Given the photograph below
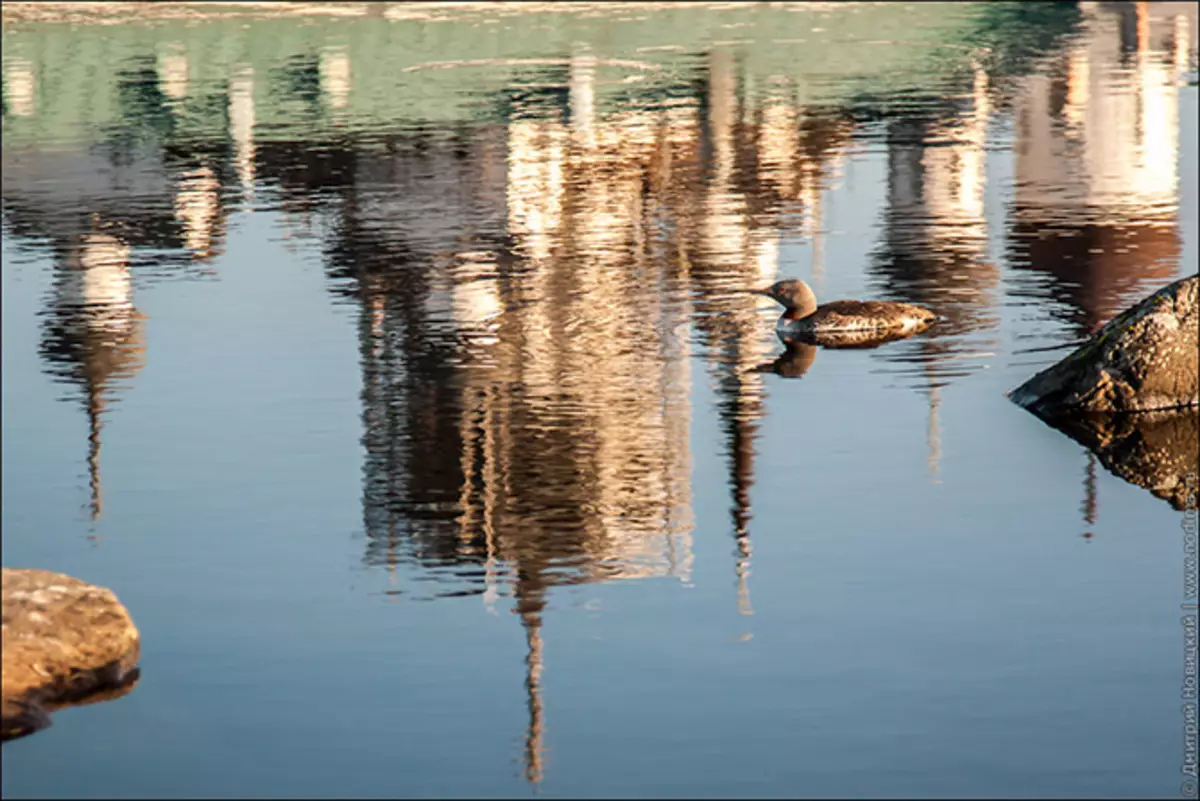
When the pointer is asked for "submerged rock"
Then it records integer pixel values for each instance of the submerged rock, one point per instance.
(1154, 450)
(1144, 359)
(65, 642)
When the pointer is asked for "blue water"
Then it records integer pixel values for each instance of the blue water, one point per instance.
(560, 536)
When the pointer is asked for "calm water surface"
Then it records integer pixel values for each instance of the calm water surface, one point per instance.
(395, 371)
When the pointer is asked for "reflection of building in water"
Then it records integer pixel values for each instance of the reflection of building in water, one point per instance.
(93, 334)
(153, 191)
(241, 124)
(525, 293)
(150, 192)
(1097, 157)
(20, 87)
(173, 72)
(527, 417)
(335, 77)
(761, 170)
(1090, 503)
(1097, 195)
(935, 243)
(198, 210)
(730, 253)
(525, 289)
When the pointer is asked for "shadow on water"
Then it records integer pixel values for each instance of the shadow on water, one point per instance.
(544, 274)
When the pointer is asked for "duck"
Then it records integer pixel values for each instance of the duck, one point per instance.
(842, 323)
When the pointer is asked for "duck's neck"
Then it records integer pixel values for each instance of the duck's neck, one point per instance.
(806, 304)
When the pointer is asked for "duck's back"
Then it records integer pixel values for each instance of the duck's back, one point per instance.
(850, 315)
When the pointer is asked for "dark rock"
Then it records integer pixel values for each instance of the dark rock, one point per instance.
(1144, 359)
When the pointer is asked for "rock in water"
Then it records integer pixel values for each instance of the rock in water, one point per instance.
(64, 642)
(1144, 359)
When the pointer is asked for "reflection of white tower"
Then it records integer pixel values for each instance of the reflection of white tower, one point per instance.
(1183, 39)
(536, 160)
(727, 239)
(954, 174)
(814, 197)
(582, 98)
(778, 146)
(575, 326)
(20, 87)
(102, 283)
(739, 254)
(173, 71)
(197, 206)
(96, 299)
(241, 124)
(537, 154)
(575, 339)
(334, 76)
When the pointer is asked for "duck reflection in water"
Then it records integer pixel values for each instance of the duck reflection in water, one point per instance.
(794, 362)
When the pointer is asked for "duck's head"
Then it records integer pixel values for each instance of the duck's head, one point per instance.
(793, 294)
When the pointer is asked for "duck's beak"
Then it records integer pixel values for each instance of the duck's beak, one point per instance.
(763, 292)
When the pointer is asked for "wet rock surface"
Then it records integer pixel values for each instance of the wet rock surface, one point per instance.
(65, 642)
(1144, 359)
